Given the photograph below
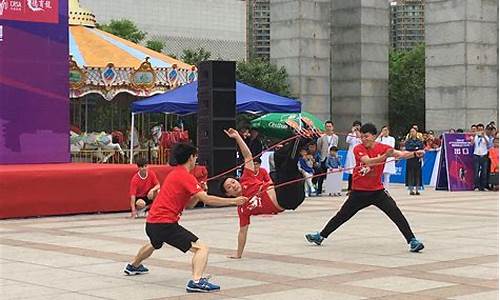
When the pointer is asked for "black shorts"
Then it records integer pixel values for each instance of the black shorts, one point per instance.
(290, 196)
(171, 233)
(145, 198)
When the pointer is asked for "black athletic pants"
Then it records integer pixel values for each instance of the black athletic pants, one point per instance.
(285, 160)
(359, 200)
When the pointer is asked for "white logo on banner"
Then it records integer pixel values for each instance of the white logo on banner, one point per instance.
(1, 33)
(34, 5)
(3, 6)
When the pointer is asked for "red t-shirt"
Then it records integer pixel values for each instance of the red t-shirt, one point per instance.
(259, 203)
(177, 189)
(140, 187)
(262, 175)
(200, 173)
(371, 181)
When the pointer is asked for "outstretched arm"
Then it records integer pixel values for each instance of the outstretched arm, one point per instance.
(214, 200)
(375, 160)
(245, 151)
(242, 240)
(391, 153)
(407, 154)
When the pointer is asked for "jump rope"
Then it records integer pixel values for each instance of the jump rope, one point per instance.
(302, 133)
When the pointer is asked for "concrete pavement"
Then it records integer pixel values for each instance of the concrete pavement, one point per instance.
(82, 257)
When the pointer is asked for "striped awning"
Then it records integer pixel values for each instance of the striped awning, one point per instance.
(92, 47)
(108, 65)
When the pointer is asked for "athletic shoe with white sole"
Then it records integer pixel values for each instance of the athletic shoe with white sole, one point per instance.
(131, 270)
(201, 286)
(314, 238)
(415, 245)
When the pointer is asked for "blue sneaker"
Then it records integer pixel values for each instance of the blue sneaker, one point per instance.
(415, 245)
(314, 238)
(202, 286)
(131, 270)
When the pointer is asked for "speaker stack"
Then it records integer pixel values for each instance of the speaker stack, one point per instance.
(216, 112)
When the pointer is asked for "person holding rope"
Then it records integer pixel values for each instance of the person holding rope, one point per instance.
(180, 189)
(264, 198)
(367, 188)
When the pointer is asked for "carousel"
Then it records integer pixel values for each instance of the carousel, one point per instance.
(106, 74)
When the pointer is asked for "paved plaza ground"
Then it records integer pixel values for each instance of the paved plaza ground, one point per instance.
(82, 257)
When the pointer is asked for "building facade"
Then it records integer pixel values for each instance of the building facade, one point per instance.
(461, 63)
(258, 29)
(218, 26)
(336, 54)
(407, 24)
(300, 42)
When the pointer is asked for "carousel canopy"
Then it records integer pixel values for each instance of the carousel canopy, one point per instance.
(92, 47)
(184, 100)
(108, 65)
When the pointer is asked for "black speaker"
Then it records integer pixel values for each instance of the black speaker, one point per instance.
(216, 112)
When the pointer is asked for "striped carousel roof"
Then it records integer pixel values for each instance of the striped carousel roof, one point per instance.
(95, 48)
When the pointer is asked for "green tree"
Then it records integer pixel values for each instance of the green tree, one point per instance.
(125, 29)
(155, 45)
(263, 75)
(407, 89)
(194, 57)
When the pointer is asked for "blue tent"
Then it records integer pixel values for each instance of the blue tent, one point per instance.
(184, 100)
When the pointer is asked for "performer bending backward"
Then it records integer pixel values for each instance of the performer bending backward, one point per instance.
(264, 199)
(367, 188)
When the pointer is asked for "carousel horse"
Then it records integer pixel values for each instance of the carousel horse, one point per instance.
(100, 141)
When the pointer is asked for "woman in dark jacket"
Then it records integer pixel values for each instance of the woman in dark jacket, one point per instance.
(413, 178)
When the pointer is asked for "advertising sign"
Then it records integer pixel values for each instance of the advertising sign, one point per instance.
(457, 163)
(43, 11)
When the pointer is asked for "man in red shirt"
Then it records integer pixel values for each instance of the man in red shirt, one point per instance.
(180, 190)
(367, 188)
(144, 187)
(264, 199)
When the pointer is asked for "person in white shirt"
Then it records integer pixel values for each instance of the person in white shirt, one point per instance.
(352, 139)
(480, 142)
(390, 163)
(324, 143)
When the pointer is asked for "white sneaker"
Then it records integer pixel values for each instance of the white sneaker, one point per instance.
(141, 213)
